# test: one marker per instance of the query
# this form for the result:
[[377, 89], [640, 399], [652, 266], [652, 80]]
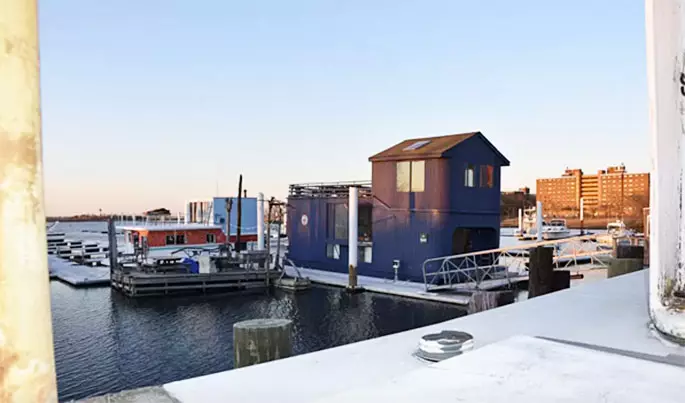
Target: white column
[[521, 221], [538, 220], [352, 225], [186, 218], [28, 373], [260, 221], [582, 209], [665, 20], [178, 217]]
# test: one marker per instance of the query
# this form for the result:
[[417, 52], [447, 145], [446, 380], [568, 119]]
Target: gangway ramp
[[503, 267]]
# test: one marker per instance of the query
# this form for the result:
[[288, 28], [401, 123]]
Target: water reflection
[[105, 342]]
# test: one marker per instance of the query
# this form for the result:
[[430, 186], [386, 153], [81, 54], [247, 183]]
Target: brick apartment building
[[604, 193]]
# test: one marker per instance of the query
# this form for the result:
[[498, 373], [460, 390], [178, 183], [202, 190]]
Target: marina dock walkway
[[77, 275], [399, 288]]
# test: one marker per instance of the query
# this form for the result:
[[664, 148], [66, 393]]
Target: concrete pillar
[[260, 221], [665, 26], [540, 271], [353, 237], [538, 220], [26, 352], [261, 340]]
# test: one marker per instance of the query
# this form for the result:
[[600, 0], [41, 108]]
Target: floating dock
[[135, 283], [77, 275], [408, 289]]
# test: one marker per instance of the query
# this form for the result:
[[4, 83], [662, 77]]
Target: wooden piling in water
[[541, 270], [483, 300], [261, 340]]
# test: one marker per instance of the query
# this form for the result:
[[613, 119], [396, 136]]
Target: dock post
[[260, 221], [353, 237], [26, 347], [261, 340], [538, 220], [582, 216], [239, 219], [540, 271], [520, 221], [665, 26], [112, 238]]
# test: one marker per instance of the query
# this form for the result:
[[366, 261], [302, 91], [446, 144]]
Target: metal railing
[[500, 266], [329, 189]]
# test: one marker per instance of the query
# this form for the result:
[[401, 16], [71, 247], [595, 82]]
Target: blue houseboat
[[429, 197]]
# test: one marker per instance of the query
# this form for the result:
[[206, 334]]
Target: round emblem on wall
[[304, 220]]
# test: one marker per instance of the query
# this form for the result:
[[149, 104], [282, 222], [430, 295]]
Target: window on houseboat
[[469, 175], [364, 227], [333, 251], [180, 239], [411, 176], [487, 176], [418, 176], [403, 176], [170, 240], [211, 238], [341, 219]]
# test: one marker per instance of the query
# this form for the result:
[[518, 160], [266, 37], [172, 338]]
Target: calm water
[[105, 342]]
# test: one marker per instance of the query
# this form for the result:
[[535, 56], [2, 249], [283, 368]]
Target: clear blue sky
[[148, 103]]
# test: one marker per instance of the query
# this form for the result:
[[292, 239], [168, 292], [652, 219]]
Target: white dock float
[[385, 286], [610, 313], [77, 275]]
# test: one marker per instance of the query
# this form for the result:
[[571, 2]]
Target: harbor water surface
[[105, 342]]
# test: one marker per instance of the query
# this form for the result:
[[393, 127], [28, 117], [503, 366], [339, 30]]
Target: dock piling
[[538, 221], [239, 221], [261, 340], [541, 270], [26, 347], [113, 252]]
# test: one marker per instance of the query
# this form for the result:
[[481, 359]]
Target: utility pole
[[240, 213], [28, 367]]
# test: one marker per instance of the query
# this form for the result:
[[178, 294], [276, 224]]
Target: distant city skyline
[[192, 94]]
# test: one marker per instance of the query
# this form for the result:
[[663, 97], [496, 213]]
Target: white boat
[[555, 229], [615, 230]]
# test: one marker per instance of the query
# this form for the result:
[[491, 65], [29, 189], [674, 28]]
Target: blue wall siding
[[396, 235], [476, 200], [249, 214], [307, 243]]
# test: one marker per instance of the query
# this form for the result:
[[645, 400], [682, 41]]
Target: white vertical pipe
[[26, 349], [352, 221], [582, 209], [178, 217], [187, 216], [665, 21], [538, 220], [260, 221], [521, 221]]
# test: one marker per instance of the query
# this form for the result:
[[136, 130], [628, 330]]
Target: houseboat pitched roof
[[430, 147]]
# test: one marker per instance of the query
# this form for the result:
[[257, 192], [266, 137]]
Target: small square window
[[333, 251], [180, 239], [211, 238], [170, 240]]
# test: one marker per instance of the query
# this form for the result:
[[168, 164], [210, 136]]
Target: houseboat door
[[461, 241]]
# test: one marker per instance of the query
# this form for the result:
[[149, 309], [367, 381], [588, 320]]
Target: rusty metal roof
[[429, 147]]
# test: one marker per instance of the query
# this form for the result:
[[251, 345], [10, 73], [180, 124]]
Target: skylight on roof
[[417, 145]]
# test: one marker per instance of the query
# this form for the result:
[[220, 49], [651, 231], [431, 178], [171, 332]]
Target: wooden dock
[[135, 283]]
